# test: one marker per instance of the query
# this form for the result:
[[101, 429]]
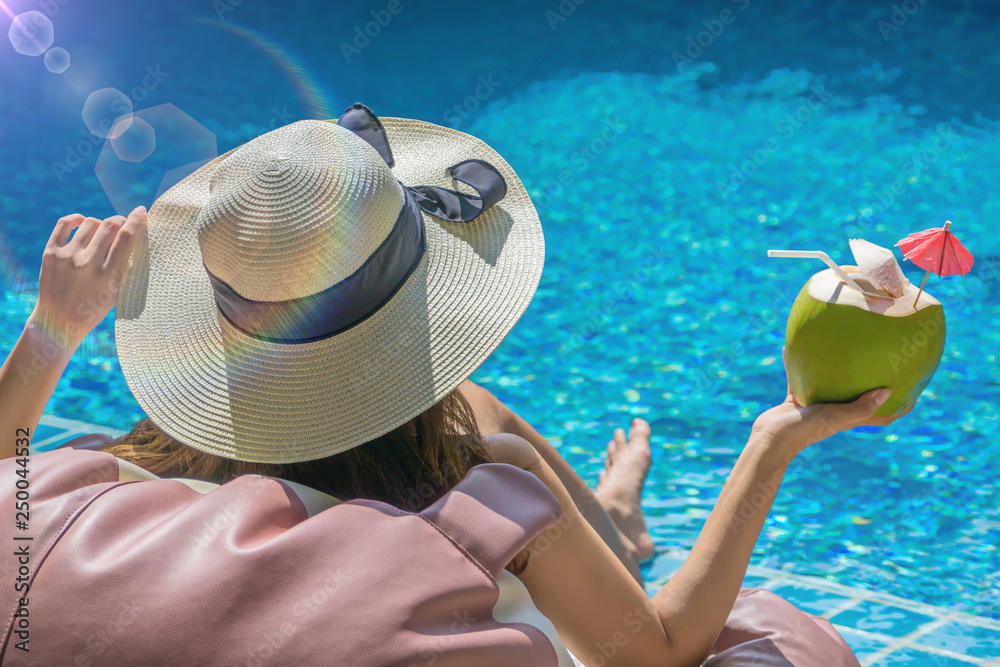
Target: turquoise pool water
[[661, 183]]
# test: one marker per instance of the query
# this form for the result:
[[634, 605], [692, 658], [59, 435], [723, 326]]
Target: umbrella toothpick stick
[[923, 283]]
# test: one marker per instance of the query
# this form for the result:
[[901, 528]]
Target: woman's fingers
[[848, 415], [131, 232], [885, 421], [103, 237], [87, 229], [62, 230]]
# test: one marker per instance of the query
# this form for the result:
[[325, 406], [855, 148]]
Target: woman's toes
[[640, 429], [639, 446], [645, 546], [620, 437]]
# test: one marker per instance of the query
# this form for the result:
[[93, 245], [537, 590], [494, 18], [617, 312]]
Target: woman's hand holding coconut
[[791, 427]]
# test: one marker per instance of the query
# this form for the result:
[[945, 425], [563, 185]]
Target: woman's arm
[[704, 589], [603, 615], [495, 417], [77, 288]]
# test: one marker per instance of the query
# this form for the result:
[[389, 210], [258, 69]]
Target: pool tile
[[755, 581], [964, 638], [661, 568], [68, 435], [809, 599], [664, 566], [863, 646], [883, 619], [917, 658], [44, 432]]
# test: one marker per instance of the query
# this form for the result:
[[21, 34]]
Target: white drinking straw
[[822, 256]]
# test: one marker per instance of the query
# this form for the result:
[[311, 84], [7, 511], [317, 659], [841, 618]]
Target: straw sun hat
[[323, 284]]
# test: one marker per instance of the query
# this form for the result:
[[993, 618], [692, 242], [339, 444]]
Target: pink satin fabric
[[765, 630], [156, 573]]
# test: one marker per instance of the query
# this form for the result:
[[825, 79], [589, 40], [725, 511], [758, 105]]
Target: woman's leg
[[628, 464], [620, 489]]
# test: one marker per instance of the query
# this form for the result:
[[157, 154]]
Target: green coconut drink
[[855, 328]]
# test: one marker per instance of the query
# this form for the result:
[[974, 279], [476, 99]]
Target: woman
[[348, 378]]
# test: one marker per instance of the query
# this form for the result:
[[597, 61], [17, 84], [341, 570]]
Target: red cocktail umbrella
[[937, 250]]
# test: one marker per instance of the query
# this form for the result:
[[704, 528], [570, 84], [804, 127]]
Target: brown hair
[[409, 467]]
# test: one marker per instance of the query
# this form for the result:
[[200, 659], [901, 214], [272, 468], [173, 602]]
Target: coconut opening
[[828, 287], [868, 286]]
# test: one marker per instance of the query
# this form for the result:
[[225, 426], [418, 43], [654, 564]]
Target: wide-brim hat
[[323, 284]]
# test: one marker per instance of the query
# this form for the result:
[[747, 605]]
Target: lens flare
[[315, 99], [170, 144], [136, 143], [11, 275], [31, 33], [57, 60]]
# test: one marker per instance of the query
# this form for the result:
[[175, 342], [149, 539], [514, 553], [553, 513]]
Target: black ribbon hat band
[[356, 297]]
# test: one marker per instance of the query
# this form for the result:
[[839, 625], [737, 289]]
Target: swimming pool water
[[660, 191], [658, 301]]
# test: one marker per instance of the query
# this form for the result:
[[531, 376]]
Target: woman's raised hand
[[80, 277]]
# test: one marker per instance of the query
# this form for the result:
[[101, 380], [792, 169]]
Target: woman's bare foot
[[620, 489]]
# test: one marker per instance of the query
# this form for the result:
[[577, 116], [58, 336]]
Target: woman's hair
[[409, 467]]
